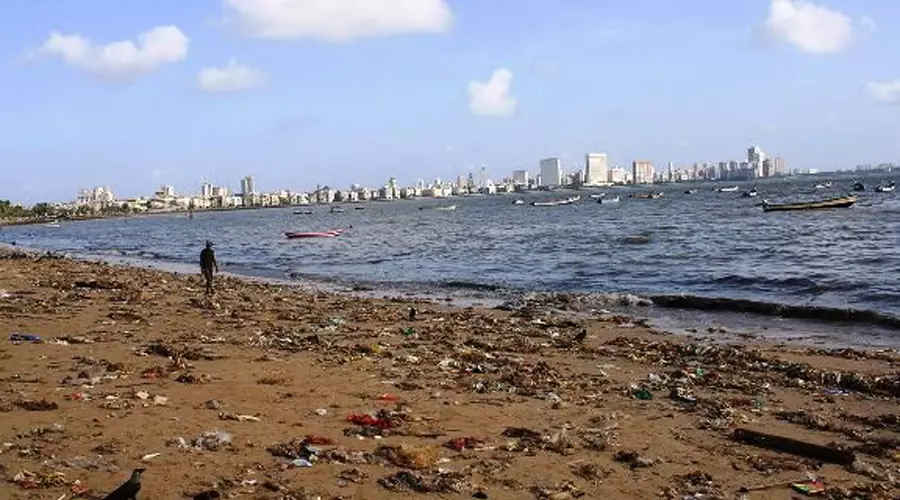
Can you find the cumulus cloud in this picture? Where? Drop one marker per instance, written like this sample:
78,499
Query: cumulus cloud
885,92
809,27
122,61
234,77
491,98
338,20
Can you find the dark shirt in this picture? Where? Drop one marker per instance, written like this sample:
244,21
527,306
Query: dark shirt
207,258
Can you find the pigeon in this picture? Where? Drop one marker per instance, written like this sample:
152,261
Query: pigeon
581,336
128,490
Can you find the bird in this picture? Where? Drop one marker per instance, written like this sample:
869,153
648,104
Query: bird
581,336
412,313
129,489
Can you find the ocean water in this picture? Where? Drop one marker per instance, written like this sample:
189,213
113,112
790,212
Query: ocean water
706,245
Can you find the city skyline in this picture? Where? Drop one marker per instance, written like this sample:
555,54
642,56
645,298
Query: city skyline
430,88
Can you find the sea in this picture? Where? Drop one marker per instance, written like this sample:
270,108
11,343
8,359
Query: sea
705,263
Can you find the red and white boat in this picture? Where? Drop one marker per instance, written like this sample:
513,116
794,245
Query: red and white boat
292,235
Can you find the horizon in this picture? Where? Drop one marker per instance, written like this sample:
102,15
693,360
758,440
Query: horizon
138,95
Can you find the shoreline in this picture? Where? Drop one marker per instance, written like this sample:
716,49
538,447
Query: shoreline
131,359
831,327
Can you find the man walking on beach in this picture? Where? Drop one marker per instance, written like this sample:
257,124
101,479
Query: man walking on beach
207,264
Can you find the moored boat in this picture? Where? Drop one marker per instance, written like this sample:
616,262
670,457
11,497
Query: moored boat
446,209
691,191
752,193
730,189
889,188
519,202
608,200
648,196
840,202
554,203
859,186
337,210
597,195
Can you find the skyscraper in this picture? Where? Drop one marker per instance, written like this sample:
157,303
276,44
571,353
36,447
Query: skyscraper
596,168
248,186
642,172
551,172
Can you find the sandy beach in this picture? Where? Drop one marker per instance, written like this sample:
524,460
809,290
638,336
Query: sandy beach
277,392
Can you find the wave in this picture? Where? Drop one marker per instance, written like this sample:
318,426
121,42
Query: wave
821,313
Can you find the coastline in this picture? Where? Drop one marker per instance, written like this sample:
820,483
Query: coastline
131,358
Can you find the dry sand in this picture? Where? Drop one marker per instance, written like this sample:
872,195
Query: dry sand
130,360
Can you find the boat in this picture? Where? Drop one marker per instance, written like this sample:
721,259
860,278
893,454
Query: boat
840,202
731,189
446,209
598,195
359,208
648,196
859,186
291,235
554,203
337,210
823,186
889,188
519,202
691,191
752,193
608,200
52,224
303,212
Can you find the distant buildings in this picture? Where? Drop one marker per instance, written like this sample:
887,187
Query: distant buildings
618,175
248,186
642,172
520,178
551,172
596,168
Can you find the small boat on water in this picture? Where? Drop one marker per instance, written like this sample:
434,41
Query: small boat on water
359,208
303,212
519,202
840,202
730,189
888,188
608,200
648,196
555,203
752,193
446,209
823,186
598,195
52,223
292,235
337,210
859,186
691,191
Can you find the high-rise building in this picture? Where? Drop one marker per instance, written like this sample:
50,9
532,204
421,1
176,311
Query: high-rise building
596,167
755,155
206,190
551,172
778,167
248,186
642,172
618,175
520,177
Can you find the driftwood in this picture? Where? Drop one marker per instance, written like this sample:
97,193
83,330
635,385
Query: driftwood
795,447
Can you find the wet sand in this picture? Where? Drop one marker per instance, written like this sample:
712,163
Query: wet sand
130,360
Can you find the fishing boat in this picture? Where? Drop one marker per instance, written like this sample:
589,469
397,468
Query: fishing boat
823,186
359,208
691,191
446,209
303,212
52,223
752,193
555,203
598,195
731,189
608,200
889,188
292,235
840,202
859,186
337,210
648,196
519,202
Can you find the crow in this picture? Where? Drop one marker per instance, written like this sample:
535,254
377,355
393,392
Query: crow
128,490
412,313
581,336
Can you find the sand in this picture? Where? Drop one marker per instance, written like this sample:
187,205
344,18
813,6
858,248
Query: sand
135,365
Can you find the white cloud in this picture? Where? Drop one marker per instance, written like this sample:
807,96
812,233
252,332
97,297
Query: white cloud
121,61
492,98
885,92
234,77
339,20
809,27
867,23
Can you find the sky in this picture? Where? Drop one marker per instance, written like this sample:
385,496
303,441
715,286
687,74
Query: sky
139,93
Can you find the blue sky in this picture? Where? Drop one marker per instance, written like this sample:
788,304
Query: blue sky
296,97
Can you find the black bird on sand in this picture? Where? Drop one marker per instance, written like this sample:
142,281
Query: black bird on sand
412,313
581,336
128,490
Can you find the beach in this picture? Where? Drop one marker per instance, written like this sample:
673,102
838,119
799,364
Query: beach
270,391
